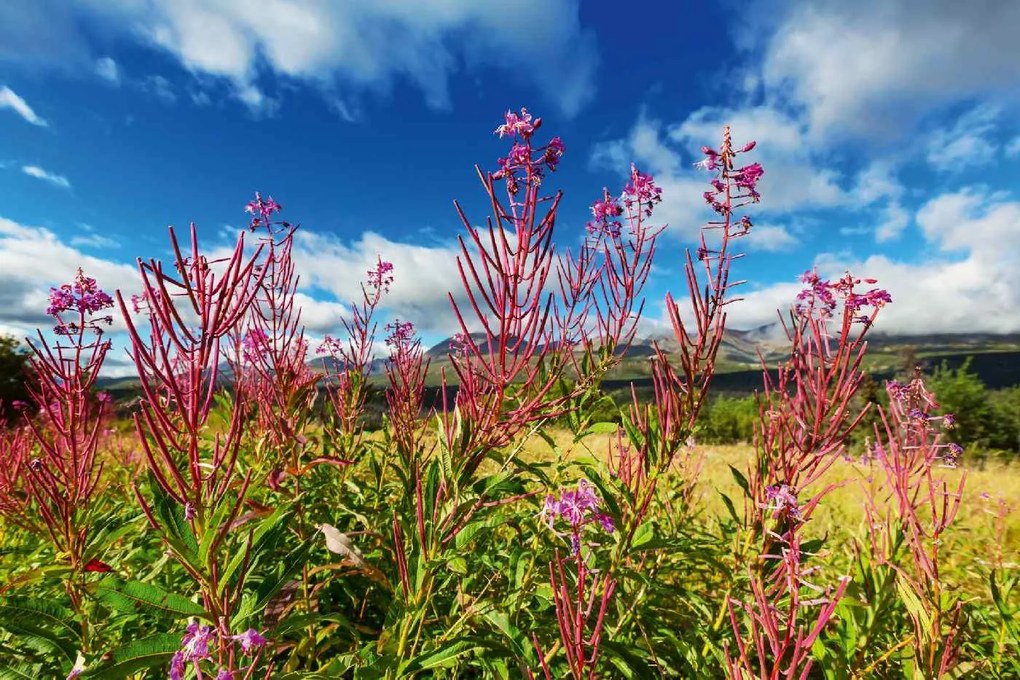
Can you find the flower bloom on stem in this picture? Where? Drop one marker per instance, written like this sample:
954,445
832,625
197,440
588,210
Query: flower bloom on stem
261,210
380,277
577,507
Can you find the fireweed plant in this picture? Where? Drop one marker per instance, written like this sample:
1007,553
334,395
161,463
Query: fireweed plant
506,517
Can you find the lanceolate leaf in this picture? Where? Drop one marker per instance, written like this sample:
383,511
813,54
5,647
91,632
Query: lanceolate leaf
132,597
136,656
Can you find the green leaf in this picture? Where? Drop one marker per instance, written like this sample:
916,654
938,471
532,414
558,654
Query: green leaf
50,625
132,597
136,656
741,480
174,527
643,534
22,671
443,656
601,428
268,533
729,507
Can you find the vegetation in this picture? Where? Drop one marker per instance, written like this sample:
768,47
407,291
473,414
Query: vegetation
527,526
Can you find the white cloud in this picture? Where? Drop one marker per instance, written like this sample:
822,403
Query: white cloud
46,176
24,285
9,99
93,240
107,69
160,87
874,68
423,275
354,46
1013,147
770,238
968,282
968,143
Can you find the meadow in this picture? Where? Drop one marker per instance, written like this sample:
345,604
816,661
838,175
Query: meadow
263,527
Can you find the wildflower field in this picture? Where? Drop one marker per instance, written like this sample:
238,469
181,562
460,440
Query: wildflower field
243,520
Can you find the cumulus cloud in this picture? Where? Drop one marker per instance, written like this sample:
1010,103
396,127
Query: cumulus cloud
873,69
1013,147
107,69
968,143
967,282
423,275
46,176
350,47
9,99
24,285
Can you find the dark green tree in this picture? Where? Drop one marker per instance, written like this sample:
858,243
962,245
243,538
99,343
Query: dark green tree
962,393
14,372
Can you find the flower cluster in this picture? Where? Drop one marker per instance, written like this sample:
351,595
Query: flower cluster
642,191
83,296
577,507
604,213
195,648
823,295
917,403
380,277
745,178
254,344
781,500
640,195
400,334
521,153
261,209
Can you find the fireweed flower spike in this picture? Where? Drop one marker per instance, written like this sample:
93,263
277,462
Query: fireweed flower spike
577,507
64,474
912,501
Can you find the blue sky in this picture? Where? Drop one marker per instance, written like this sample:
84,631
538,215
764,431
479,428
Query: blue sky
888,132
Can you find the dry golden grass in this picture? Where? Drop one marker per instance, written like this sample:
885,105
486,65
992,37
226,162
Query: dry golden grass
969,543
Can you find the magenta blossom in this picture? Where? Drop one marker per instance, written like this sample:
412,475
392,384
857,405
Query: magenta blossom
195,643
518,125
82,295
781,498
380,277
577,507
262,210
250,640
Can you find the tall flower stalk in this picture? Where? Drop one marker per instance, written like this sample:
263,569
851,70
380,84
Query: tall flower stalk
177,348
63,476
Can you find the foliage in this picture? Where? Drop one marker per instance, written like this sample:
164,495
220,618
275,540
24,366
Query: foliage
14,375
524,525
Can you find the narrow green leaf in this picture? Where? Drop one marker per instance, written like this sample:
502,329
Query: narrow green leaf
136,656
132,597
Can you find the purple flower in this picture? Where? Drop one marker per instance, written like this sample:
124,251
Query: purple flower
577,507
642,189
249,639
224,674
711,161
781,497
254,344
82,295
400,333
381,276
195,643
517,125
747,178
177,666
262,209
949,421
554,152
